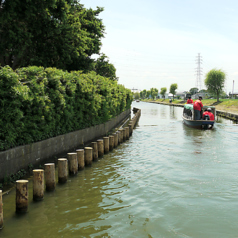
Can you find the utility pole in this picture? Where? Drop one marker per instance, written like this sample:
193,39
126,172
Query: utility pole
199,71
233,89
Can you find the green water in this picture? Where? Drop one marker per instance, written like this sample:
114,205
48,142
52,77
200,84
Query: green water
168,180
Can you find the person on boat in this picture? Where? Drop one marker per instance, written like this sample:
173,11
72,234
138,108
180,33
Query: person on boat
189,101
197,106
209,113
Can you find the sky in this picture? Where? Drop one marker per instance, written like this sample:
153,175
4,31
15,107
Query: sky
155,43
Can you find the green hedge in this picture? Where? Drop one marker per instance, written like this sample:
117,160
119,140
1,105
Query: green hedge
38,103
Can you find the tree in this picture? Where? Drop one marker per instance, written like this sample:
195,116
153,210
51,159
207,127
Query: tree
104,68
144,93
193,90
153,92
59,33
136,95
173,88
214,81
156,91
148,93
163,91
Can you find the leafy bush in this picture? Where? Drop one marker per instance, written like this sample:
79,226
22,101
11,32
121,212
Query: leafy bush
38,103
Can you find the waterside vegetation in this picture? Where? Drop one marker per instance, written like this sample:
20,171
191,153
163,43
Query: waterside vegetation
38,103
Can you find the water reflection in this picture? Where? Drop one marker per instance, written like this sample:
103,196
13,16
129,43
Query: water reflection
154,111
172,113
163,113
225,121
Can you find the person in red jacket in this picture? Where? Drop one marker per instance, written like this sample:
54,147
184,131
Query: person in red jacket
189,101
197,106
209,113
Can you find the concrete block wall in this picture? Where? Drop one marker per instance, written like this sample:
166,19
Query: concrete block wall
15,159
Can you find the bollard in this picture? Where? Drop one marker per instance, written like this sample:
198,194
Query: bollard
127,133
115,139
38,184
80,156
122,140
106,144
133,123
73,163
62,170
100,148
130,122
50,176
95,150
124,134
88,155
130,129
111,143
119,137
1,211
21,196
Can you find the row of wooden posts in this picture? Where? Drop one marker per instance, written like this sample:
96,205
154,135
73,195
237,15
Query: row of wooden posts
45,179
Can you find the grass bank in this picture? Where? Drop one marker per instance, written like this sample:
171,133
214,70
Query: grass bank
227,105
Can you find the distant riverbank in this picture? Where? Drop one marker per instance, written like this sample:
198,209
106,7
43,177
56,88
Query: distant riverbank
227,105
227,108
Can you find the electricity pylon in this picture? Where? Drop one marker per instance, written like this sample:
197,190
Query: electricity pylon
199,71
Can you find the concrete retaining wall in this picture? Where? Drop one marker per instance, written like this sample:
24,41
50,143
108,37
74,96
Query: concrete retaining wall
11,161
228,115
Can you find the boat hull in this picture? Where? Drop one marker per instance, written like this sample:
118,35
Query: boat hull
199,124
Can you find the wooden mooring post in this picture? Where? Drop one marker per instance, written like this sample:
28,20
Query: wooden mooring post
121,135
38,184
100,148
62,170
21,196
106,144
111,142
50,176
127,133
95,150
88,155
124,134
115,139
73,163
80,156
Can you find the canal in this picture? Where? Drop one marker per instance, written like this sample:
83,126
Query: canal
167,180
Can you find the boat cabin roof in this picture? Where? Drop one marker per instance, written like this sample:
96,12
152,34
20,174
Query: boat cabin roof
190,106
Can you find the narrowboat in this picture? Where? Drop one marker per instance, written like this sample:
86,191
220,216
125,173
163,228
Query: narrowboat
188,117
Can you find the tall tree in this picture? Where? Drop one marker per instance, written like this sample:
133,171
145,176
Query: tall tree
154,92
136,95
104,68
50,33
214,81
163,91
144,93
173,88
148,93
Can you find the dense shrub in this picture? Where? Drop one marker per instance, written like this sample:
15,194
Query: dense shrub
38,103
